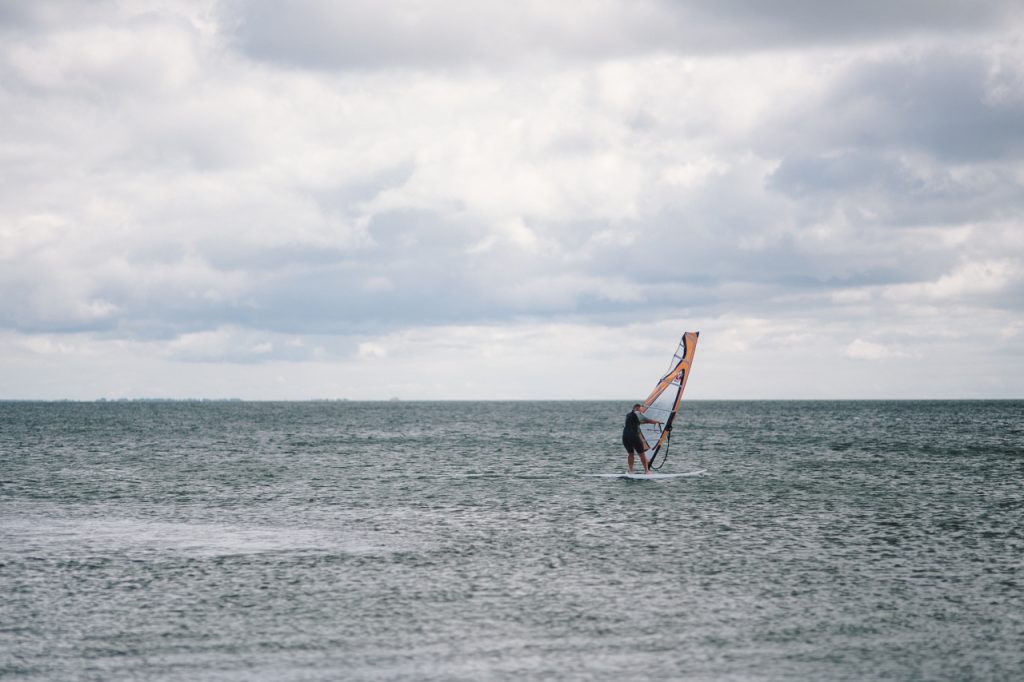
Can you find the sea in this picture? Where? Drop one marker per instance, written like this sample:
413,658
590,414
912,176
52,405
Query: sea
471,541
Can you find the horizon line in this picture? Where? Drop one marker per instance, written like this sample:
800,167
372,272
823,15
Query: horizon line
487,400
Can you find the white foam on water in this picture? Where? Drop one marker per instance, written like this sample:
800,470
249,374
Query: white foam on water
113,534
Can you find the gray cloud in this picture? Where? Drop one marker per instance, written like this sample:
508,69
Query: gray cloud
365,34
41,16
748,23
883,189
324,34
944,103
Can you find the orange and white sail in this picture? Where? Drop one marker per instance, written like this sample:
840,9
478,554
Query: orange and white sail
664,401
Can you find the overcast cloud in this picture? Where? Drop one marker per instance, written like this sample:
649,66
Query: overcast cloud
329,199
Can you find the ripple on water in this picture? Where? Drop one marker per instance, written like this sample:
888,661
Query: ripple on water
840,541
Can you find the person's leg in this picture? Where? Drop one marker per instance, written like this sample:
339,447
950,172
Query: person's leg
629,461
643,460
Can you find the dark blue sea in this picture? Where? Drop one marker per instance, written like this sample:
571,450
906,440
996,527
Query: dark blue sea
466,541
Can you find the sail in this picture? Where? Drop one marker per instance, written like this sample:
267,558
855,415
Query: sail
663,402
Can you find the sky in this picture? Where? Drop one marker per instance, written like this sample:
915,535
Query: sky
511,200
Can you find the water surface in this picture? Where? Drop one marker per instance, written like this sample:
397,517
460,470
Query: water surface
447,541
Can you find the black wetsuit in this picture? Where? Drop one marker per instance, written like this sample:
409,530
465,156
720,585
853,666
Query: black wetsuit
631,434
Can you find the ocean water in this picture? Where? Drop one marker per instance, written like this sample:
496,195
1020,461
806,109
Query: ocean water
465,541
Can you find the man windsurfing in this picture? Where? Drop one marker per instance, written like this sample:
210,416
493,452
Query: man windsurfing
633,441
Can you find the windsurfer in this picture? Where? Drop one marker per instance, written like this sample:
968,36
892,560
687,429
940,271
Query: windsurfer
632,439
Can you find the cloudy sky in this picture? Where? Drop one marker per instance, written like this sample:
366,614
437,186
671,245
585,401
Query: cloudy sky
444,199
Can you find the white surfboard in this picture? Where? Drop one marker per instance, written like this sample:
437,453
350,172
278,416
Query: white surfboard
653,476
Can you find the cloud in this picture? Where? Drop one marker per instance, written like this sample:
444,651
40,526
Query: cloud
957,104
205,187
967,280
410,34
372,350
366,34
860,349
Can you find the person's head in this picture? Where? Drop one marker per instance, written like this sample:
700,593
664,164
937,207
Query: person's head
636,407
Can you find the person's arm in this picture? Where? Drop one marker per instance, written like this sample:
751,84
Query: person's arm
646,420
